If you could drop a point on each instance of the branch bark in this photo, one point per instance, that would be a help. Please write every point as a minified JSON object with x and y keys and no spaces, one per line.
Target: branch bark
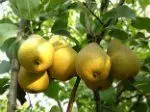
{"x":13,"y":73}
{"x":73,"y":94}
{"x":13,"y":86}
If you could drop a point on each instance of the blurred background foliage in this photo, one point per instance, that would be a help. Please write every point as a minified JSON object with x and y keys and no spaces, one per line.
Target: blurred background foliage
{"x":78,"y":21}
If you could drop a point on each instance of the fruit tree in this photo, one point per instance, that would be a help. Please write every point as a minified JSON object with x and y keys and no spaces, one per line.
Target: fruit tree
{"x":80,"y":55}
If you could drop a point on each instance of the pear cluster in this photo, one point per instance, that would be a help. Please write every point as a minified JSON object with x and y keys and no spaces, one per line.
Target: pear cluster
{"x":42,"y":60}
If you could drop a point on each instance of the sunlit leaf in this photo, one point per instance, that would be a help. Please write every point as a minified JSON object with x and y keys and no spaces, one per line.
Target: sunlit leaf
{"x":53,"y":90}
{"x":3,"y":85}
{"x":121,"y":11}
{"x":4,"y":66}
{"x":55,"y":109}
{"x":142,"y":83}
{"x":27,"y":9}
{"x":8,"y":30}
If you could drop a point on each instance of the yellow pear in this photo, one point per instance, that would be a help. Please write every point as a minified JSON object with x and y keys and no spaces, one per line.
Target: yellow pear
{"x":63,"y":66}
{"x":114,"y":46}
{"x":58,"y":41}
{"x":125,"y":63}
{"x":36,"y":54}
{"x":33,"y":82}
{"x":92,"y":63}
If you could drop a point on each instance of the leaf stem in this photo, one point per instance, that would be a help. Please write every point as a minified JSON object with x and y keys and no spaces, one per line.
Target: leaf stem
{"x":73,"y":94}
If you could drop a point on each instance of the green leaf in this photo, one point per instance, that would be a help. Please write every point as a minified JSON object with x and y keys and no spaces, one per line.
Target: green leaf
{"x":3,"y":85}
{"x":130,"y":1}
{"x":142,"y":83}
{"x":82,"y":18}
{"x":55,"y":109}
{"x":4,"y":66}
{"x":118,"y":33}
{"x":72,"y":6}
{"x":60,"y":23}
{"x":141,"y":107}
{"x":53,"y":90}
{"x":144,"y":3}
{"x":121,"y":11}
{"x":8,"y":30}
{"x":27,"y":9}
{"x":7,"y":43}
{"x":6,"y":20}
{"x":141,"y":23}
{"x":108,"y":95}
{"x":147,"y":60}
{"x":13,"y":50}
{"x":53,"y":4}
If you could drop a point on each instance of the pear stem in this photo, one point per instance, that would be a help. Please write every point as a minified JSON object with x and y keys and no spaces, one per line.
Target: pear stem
{"x":97,"y":100}
{"x":73,"y":94}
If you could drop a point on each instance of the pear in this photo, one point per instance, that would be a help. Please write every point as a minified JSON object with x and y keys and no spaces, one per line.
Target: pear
{"x":101,"y":85}
{"x":92,"y":63}
{"x":36,"y":54}
{"x":33,"y":82}
{"x":63,"y":66}
{"x":125,"y":63}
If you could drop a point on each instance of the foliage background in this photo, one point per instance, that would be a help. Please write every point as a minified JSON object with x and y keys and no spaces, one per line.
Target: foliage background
{"x":74,"y":20}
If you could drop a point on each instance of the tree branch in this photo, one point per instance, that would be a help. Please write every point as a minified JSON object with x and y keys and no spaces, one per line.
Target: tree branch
{"x":13,"y":86}
{"x":97,"y":100}
{"x":138,"y":90}
{"x":136,"y":103}
{"x":59,"y":104}
{"x":101,"y":35}
{"x":13,"y":73}
{"x":120,"y":90}
{"x":104,"y":5}
{"x":1,"y":1}
{"x":121,"y":2}
{"x":73,"y":94}
{"x":100,"y":21}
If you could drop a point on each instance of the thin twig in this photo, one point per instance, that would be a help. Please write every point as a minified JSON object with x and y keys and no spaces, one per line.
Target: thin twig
{"x":138,"y":90}
{"x":100,"y":21}
{"x":101,"y":35}
{"x":1,"y":1}
{"x":136,"y":103}
{"x":97,"y":100}
{"x":30,"y":103}
{"x":121,"y":2}
{"x":59,"y":104}
{"x":120,"y":90}
{"x":104,"y":5}
{"x":73,"y":94}
{"x":107,"y":108}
